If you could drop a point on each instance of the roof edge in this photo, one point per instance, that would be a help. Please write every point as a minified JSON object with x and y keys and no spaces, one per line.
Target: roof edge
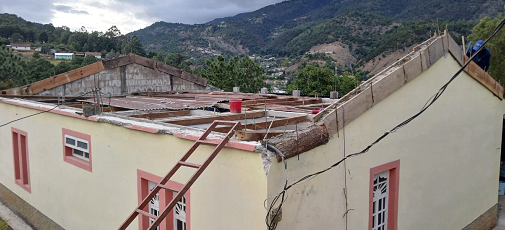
{"x":86,"y":71}
{"x":383,"y":84}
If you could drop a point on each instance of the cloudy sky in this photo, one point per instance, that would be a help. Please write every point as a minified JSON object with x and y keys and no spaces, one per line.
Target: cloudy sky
{"x":127,"y":15}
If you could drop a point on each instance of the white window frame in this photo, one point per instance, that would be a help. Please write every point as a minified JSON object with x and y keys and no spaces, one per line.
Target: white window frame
{"x":181,"y":207}
{"x":75,"y":147}
{"x":154,"y":204}
{"x":380,"y":202}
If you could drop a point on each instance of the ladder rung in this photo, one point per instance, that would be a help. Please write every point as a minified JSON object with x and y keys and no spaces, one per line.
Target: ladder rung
{"x":208,"y":142}
{"x":146,"y":213}
{"x":191,"y":165}
{"x":225,"y":122}
{"x":168,"y":187}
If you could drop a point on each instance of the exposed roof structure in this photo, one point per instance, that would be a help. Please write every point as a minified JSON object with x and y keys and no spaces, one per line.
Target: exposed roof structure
{"x":86,"y":71}
{"x":285,"y":120}
{"x":329,"y":121}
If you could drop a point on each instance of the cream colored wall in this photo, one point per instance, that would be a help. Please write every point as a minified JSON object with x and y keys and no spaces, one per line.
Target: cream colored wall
{"x":228,"y":195}
{"x":449,"y":159}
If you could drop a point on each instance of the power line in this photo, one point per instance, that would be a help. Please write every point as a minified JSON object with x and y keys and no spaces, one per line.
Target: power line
{"x":45,"y":111}
{"x":431,"y":101}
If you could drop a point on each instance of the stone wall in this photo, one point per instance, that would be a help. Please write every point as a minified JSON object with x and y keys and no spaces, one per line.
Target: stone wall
{"x":125,"y":80}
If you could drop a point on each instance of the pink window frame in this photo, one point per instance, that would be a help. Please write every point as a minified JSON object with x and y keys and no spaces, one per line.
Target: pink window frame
{"x":165,"y":197}
{"x":21,"y":161}
{"x":394,"y":179}
{"x":67,"y":151}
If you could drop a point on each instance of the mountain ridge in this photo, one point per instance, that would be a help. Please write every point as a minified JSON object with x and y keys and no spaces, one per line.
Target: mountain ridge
{"x":282,"y":28}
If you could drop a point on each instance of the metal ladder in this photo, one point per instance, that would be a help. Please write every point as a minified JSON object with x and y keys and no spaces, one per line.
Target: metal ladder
{"x":182,"y":162}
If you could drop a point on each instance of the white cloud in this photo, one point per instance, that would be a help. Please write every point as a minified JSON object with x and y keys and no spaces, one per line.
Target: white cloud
{"x":127,"y":15}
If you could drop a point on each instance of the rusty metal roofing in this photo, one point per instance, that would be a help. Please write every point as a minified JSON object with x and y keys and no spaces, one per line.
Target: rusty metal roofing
{"x":149,"y":103}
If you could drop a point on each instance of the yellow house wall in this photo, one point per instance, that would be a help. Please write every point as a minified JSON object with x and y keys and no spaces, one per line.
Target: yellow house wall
{"x":449,"y":159}
{"x":228,"y":195}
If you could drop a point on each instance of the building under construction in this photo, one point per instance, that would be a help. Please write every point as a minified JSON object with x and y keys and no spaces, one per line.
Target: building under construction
{"x":105,"y":135}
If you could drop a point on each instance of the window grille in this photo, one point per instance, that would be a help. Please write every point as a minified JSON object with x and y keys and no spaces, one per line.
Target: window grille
{"x":380,"y":201}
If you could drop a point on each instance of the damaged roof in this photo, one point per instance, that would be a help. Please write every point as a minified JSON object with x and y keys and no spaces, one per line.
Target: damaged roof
{"x":86,"y":71}
{"x":283,"y":120}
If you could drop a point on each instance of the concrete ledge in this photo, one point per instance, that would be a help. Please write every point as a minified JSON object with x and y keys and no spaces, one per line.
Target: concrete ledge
{"x":486,"y":221}
{"x":25,"y":211}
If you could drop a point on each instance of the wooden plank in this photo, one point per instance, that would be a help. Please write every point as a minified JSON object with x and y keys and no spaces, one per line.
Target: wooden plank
{"x":258,"y":135}
{"x":436,"y":50}
{"x":152,"y":116}
{"x":484,"y":78}
{"x":210,"y":119}
{"x":67,"y":77}
{"x":180,"y":74}
{"x":455,"y":50}
{"x":275,"y":123}
{"x":268,"y":101}
{"x":117,"y":62}
{"x":146,"y":62}
{"x":412,"y":68}
{"x":387,"y":86}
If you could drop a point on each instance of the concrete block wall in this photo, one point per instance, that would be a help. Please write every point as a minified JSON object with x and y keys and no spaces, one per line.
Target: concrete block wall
{"x":125,"y":80}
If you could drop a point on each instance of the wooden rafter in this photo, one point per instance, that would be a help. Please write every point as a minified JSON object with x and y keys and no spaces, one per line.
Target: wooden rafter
{"x":152,"y":116}
{"x":210,"y":119}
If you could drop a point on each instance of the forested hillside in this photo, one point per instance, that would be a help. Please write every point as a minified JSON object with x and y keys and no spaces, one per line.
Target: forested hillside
{"x":291,"y":28}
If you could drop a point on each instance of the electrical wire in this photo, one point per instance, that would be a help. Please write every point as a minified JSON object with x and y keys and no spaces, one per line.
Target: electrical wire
{"x":429,"y":103}
{"x":45,"y":111}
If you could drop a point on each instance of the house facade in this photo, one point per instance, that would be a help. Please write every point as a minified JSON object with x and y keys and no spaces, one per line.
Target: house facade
{"x":94,"y":54}
{"x":438,"y":172}
{"x":21,"y":47}
{"x":64,"y":170}
{"x":65,"y":56}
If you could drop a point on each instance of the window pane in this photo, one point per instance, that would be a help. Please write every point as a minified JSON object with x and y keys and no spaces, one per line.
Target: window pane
{"x":179,"y":225}
{"x":86,"y":155}
{"x":70,"y":141}
{"x":79,"y":152}
{"x":81,"y":144}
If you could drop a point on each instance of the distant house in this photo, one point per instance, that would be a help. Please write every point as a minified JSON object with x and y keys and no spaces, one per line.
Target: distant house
{"x":96,"y":54}
{"x":21,"y":47}
{"x":67,"y":56}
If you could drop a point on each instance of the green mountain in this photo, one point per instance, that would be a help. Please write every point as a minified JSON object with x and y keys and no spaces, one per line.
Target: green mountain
{"x":291,"y":28}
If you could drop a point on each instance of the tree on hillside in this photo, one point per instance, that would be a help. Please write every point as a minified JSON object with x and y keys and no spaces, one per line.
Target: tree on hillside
{"x":43,"y":37}
{"x":496,"y":45}
{"x":313,"y":80}
{"x":37,"y":69}
{"x":177,"y":60}
{"x":237,"y":72}
{"x":16,"y":37}
{"x":134,"y":46}
{"x":11,"y":68}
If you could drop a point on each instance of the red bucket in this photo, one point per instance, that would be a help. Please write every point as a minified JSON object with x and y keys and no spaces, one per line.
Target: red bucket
{"x":236,"y":106}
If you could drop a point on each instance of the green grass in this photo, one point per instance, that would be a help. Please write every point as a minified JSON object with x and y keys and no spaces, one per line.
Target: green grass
{"x":4,"y":226}
{"x":55,"y":61}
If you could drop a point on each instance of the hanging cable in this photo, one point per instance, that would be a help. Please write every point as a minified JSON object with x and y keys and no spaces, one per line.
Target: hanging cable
{"x":428,"y":104}
{"x":41,"y":112}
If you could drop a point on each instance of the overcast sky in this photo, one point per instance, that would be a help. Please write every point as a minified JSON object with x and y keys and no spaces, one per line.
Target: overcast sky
{"x":127,"y":15}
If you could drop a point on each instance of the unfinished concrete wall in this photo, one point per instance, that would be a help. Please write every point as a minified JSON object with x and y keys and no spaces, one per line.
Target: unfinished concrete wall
{"x":449,"y":160}
{"x":124,"y":80}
